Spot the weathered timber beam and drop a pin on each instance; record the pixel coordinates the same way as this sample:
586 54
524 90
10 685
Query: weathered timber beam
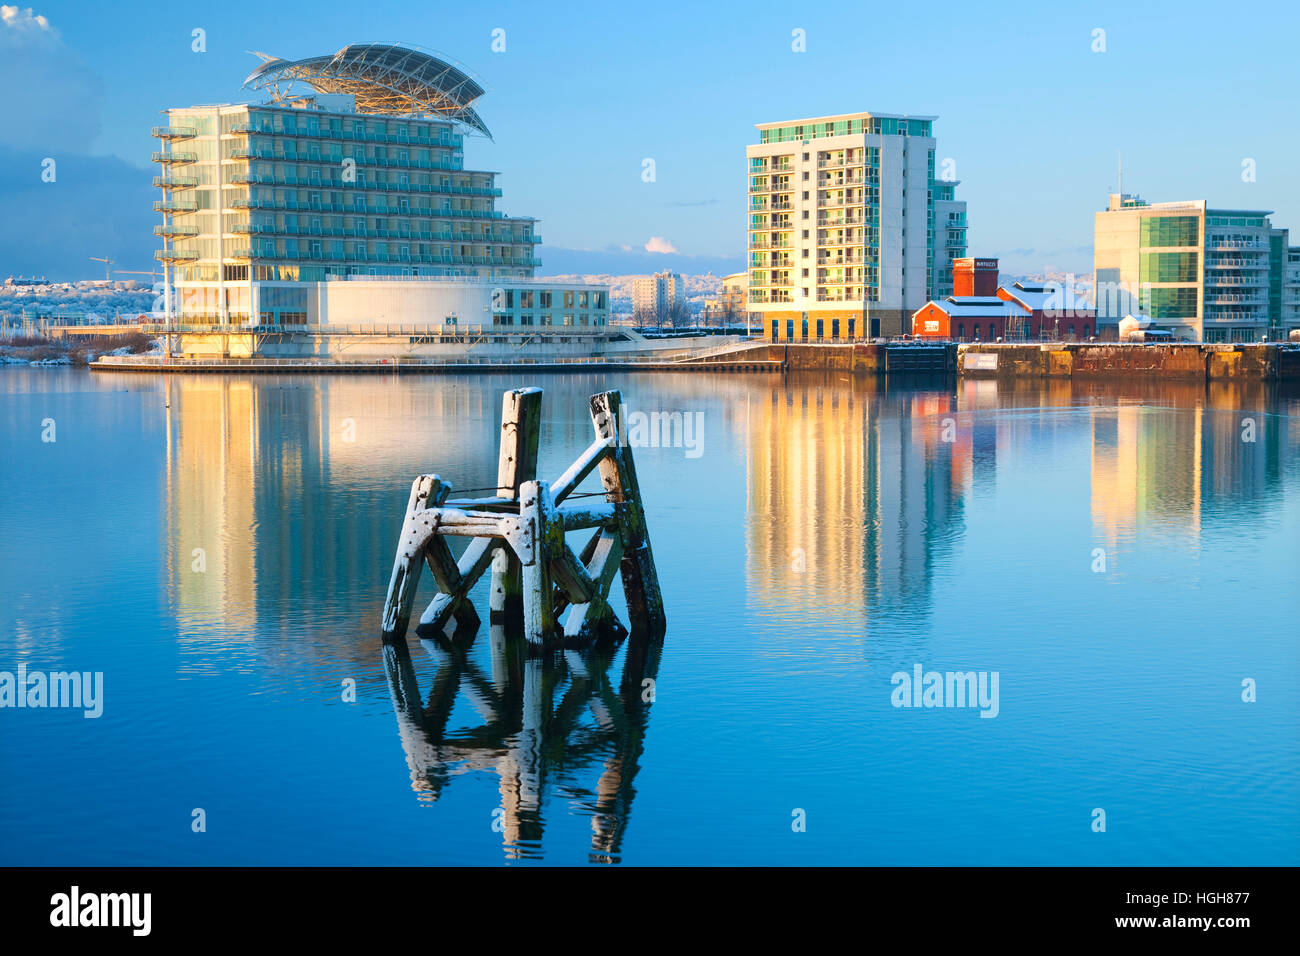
585 618
537 511
417 527
471 566
596 515
446 573
521 421
618 475
563 486
521 428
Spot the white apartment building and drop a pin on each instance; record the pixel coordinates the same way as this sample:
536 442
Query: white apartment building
658 298
850 230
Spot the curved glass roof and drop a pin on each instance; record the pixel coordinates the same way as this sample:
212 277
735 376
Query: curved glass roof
384 78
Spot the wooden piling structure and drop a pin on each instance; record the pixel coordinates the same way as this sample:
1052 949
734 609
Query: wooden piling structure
537 579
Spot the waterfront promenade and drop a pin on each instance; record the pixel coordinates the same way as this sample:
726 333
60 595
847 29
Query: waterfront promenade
1048 360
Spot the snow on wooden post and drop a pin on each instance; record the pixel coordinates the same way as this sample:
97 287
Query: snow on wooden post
521 429
537 579
645 604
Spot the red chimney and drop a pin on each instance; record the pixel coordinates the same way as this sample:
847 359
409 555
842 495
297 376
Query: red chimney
975 277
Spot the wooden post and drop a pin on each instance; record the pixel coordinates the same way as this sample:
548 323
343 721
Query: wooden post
520 534
521 429
410 558
445 571
645 606
537 512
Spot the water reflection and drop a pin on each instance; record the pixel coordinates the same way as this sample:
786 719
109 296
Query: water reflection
861 502
862 488
548 723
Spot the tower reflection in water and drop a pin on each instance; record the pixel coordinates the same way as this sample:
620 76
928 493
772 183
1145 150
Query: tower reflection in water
547 722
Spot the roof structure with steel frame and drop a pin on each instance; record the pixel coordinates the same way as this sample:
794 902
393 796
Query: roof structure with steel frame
384 78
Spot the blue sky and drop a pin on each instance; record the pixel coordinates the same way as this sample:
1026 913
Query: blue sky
584 92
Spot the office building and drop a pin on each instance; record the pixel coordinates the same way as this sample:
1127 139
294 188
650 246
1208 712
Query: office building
1204 274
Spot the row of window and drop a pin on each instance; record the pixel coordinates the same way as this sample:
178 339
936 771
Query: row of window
546 318
882 125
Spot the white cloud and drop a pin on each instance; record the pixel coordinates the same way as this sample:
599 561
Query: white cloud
55 83
25 22
659 244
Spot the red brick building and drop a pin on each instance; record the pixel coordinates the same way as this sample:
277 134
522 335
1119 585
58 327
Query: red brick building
980 309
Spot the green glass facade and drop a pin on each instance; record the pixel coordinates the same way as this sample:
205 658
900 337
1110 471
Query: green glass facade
1169 303
1170 231
1169 267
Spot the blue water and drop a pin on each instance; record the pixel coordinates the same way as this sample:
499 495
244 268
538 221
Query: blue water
823 536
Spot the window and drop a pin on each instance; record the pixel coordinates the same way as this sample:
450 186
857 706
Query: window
1170 231
1168 267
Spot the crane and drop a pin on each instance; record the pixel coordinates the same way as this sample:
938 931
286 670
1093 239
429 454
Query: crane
107 262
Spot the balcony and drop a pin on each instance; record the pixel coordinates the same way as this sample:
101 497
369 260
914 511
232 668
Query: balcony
1232 263
176 206
1229 280
175 255
452 141
1234 299
175 232
1252 244
175 182
175 157
175 132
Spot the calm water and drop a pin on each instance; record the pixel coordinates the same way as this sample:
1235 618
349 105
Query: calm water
825 537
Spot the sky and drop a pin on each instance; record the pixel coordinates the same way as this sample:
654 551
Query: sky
1034 106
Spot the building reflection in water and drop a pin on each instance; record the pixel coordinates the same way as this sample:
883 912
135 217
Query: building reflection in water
858 491
855 494
1184 455
856 504
547 723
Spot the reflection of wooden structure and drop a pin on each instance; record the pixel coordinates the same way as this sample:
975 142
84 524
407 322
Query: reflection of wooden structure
526 733
519 532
